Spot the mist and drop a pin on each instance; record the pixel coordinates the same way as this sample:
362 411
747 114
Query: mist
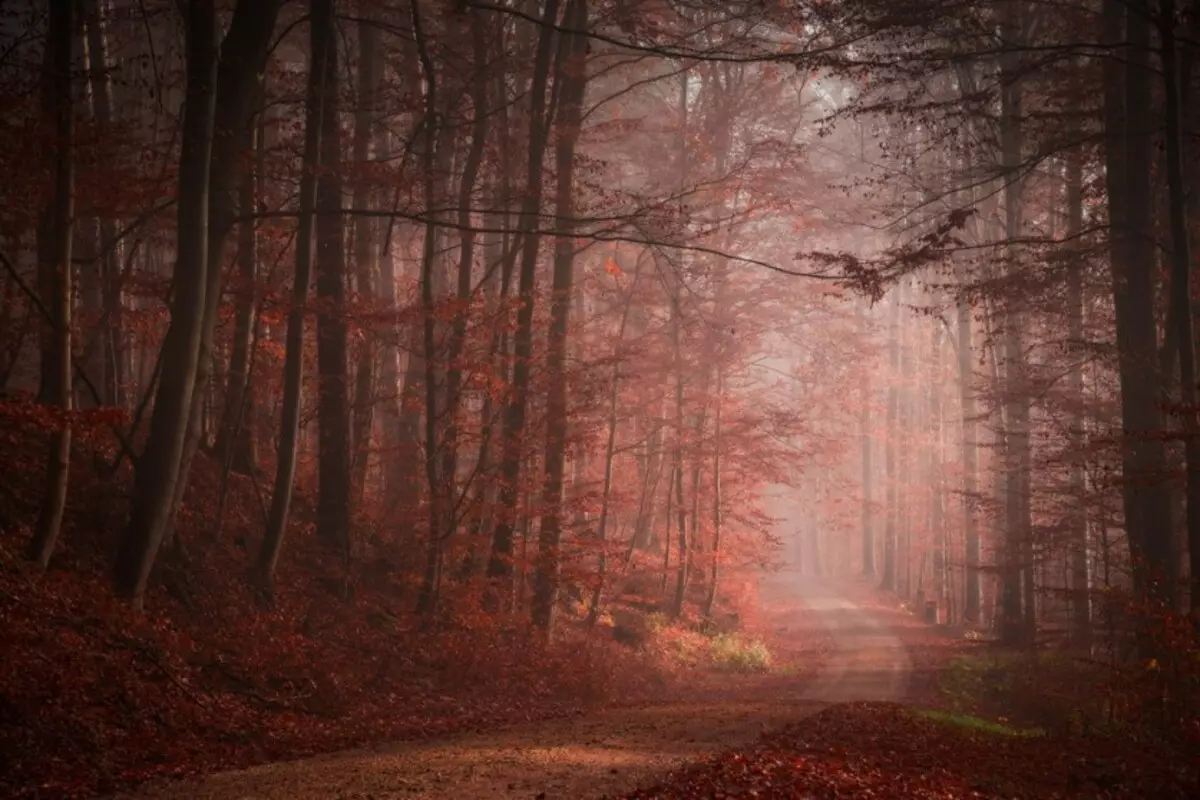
380 371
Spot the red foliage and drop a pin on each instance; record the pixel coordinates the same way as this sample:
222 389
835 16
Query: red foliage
94 696
883 750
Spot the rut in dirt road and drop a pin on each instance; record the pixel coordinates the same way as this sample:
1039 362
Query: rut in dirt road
609 752
869 662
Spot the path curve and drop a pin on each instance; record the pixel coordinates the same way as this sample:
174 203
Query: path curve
606 753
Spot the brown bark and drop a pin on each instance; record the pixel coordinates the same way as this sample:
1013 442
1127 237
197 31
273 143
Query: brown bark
1081 605
158 469
243 55
571 81
235 444
54 272
1181 285
366 242
1129 154
293 367
500 564
333 404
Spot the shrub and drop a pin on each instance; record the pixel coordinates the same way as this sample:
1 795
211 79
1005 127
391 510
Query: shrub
732 652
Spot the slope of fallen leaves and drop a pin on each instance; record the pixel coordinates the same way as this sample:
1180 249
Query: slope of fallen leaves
94 697
884 750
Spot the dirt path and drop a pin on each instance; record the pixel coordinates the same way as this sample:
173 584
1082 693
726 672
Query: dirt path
604 753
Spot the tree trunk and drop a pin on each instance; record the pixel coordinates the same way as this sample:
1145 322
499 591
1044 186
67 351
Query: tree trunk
391 389
440 486
110 350
1017 541
333 405
609 452
681 567
158 469
293 367
868 522
366 242
889 582
969 455
500 562
937 521
235 444
1129 153
1081 603
54 270
243 58
1181 291
571 81
717 511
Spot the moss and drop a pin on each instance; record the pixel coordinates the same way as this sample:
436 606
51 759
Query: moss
978 724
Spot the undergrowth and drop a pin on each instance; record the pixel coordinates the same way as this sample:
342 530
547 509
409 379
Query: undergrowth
973 723
698 645
1065 693
95 697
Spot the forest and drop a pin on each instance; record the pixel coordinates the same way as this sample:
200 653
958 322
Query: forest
383 370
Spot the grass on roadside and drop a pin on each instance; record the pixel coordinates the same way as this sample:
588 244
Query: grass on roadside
969 722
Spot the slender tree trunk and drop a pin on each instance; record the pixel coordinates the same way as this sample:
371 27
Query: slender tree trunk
333 406
1181 291
681 568
937 525
54 270
411 456
110 351
666 539
235 437
905 456
571 82
868 522
391 390
610 447
293 367
440 483
1081 603
889 582
1129 151
243 57
500 562
366 243
674 287
717 511
158 470
1017 529
970 457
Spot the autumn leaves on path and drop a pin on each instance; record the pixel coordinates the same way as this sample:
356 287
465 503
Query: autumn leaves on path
616 750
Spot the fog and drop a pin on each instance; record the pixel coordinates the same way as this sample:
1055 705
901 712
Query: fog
529 320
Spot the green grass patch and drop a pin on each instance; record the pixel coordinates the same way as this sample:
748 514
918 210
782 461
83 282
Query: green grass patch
978 724
732 652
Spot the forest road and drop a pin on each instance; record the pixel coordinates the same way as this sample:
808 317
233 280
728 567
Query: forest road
608 752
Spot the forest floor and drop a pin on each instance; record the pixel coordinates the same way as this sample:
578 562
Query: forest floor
928 747
617 749
861 715
96 698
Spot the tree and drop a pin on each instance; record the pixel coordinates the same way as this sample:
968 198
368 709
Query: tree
321 40
1129 153
571 80
158 468
54 272
333 405
500 565
208 149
